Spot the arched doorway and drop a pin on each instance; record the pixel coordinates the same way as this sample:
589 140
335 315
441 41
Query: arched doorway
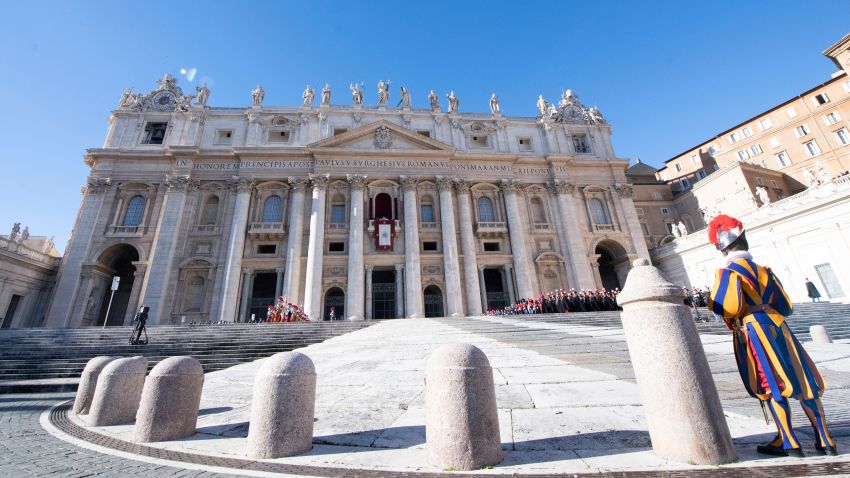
383 206
433 301
116 261
613 264
335 298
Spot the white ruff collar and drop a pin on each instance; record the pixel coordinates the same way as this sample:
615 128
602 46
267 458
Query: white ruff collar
734 256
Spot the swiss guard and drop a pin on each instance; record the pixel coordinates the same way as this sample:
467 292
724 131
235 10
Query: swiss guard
773 365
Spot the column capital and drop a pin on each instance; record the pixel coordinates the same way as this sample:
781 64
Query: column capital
408 183
95 185
298 183
559 186
509 266
180 183
368 267
462 186
399 267
280 270
509 185
356 181
247 272
241 184
625 190
481 268
444 183
320 181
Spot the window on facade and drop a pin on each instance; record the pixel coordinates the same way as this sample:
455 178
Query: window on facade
747 132
223 136
802 130
339 131
665 211
429 246
597 211
774 143
524 144
491 247
695 159
734 138
712 151
811 148
580 144
479 140
424 132
842 137
266 249
678 167
743 154
338 214
210 215
829 280
832 118
846 86
538 212
783 159
685 183
756 149
791 111
135 209
154 133
279 136
765 123
700 174
272 209
485 210
194 294
821 99
426 211
336 247
669 227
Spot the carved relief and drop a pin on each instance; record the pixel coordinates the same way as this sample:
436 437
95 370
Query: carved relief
180 183
561 187
298 183
444 183
356 181
335 271
408 183
509 185
462 186
383 140
432 269
96 185
320 181
241 184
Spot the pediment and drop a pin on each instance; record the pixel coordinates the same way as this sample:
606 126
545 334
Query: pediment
380 136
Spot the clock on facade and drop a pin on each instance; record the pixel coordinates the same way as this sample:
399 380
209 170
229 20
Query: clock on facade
163 101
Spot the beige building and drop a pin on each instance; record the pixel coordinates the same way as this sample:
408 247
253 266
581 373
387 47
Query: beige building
209 213
28 266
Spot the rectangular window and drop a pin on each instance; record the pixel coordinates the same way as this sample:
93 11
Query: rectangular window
791 112
685 183
842 137
338 214
427 213
734 138
491 247
774 143
525 144
429 246
339 131
743 154
747 132
712 151
678 167
479 141
336 247
279 136
223 136
665 211
581 144
695 159
832 118
700 174
154 133
266 249
846 86
756 149
424 132
802 130
820 99
783 159
811 148
765 124
829 281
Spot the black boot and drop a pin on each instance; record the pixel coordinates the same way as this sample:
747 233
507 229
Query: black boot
828 450
768 449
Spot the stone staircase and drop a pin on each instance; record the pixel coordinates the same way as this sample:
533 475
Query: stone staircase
46 360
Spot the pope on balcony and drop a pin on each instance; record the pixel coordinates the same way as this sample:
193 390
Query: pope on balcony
773 365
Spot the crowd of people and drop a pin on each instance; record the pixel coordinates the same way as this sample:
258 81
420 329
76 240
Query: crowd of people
285 311
562 301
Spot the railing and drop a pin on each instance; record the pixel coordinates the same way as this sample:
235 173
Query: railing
427 225
126 230
606 227
337 225
541 226
206 229
490 227
267 229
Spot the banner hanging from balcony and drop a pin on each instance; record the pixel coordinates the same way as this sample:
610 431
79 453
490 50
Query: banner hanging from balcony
384 235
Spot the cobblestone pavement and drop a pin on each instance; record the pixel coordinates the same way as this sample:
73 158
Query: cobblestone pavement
26 449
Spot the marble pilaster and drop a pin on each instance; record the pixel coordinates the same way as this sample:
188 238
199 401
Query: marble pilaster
315 248
451 269
524 267
354 299
467 241
399 294
369 314
413 297
482 289
294 241
572 237
509 280
235 247
622 194
247 286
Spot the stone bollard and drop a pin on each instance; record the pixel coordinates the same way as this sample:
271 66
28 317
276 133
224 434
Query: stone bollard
283 407
119 387
461 423
683 412
819 334
170 401
88 383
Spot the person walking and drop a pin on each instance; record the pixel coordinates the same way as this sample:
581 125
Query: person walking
812 291
774 367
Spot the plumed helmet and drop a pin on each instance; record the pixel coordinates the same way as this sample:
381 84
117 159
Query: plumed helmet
723 230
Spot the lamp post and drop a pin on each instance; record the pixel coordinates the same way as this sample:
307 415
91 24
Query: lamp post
115 281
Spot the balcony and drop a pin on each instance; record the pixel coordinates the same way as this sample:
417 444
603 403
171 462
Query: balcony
431 226
126 231
541 227
337 225
606 228
266 230
206 229
490 229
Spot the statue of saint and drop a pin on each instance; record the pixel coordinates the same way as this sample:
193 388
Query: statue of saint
821 173
434 101
308 96
542 106
596 116
761 192
203 95
454 103
683 230
405 98
567 98
495 108
675 230
257 96
16 229
25 234
383 92
326 94
811 179
127 99
356 93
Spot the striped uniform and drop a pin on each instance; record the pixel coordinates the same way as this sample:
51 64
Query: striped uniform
772 363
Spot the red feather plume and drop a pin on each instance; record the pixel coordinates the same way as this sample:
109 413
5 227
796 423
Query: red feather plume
722 222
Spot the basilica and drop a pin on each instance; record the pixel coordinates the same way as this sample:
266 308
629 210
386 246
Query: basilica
207 213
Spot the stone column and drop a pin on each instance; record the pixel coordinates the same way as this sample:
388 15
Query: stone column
509 278
483 290
369 313
412 273
573 238
671 369
247 286
133 302
354 294
235 247
315 248
470 259
399 295
622 194
451 270
68 282
278 285
157 283
294 241
524 267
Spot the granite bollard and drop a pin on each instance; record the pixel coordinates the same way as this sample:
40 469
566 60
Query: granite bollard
88 383
170 401
119 387
819 334
283 406
461 423
680 400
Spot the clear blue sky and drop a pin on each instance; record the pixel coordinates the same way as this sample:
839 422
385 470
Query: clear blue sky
667 75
